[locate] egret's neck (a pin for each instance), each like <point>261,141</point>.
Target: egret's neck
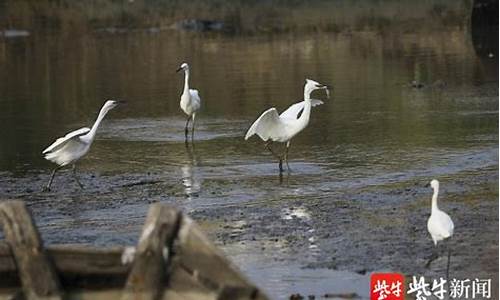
<point>304,117</point>
<point>101,116</point>
<point>186,81</point>
<point>307,95</point>
<point>435,200</point>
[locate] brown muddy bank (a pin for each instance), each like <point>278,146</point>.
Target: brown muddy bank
<point>235,16</point>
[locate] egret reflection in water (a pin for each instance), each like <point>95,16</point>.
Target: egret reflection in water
<point>190,179</point>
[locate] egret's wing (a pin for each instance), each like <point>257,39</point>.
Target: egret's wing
<point>68,137</point>
<point>293,112</point>
<point>195,99</point>
<point>194,93</point>
<point>441,225</point>
<point>268,125</point>
<point>448,224</point>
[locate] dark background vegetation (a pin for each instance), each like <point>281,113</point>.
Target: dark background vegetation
<point>238,16</point>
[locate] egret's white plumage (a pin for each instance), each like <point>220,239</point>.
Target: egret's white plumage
<point>280,128</point>
<point>58,152</point>
<point>439,225</point>
<point>190,102</point>
<point>190,99</point>
<point>74,145</point>
<point>272,127</point>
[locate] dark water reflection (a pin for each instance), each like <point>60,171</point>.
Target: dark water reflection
<point>375,129</point>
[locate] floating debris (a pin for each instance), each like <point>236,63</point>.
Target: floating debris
<point>416,84</point>
<point>14,33</point>
<point>200,25</point>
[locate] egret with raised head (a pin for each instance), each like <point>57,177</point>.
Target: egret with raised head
<point>190,100</point>
<point>271,127</point>
<point>68,149</point>
<point>439,225</point>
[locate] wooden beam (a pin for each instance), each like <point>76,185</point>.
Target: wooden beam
<point>206,264</point>
<point>78,266</point>
<point>38,277</point>
<point>147,277</point>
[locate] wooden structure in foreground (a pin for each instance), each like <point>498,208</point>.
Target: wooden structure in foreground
<point>172,260</point>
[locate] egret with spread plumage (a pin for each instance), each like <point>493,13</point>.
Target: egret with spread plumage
<point>271,127</point>
<point>68,149</point>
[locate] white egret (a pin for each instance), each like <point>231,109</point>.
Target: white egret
<point>439,225</point>
<point>271,127</point>
<point>74,145</point>
<point>190,100</point>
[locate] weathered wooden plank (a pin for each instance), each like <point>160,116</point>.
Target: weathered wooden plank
<point>78,266</point>
<point>196,255</point>
<point>38,277</point>
<point>88,260</point>
<point>182,285</point>
<point>147,277</point>
<point>237,293</point>
<point>85,267</point>
<point>8,269</point>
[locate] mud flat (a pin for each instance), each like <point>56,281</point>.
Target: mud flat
<point>288,237</point>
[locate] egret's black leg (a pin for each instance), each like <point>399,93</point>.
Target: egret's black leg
<point>47,187</point>
<point>433,257</point>
<point>268,146</point>
<point>192,129</point>
<point>286,156</point>
<point>186,128</point>
<point>76,177</point>
<point>448,265</point>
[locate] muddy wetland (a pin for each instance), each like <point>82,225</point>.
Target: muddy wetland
<point>405,107</point>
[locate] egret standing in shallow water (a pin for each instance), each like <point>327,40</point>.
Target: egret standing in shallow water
<point>190,100</point>
<point>74,145</point>
<point>439,225</point>
<point>271,127</point>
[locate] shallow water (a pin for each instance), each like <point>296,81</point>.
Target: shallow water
<point>371,147</point>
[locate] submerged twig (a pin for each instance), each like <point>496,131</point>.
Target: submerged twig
<point>143,182</point>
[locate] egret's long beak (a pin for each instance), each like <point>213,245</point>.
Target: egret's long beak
<point>177,71</point>
<point>121,102</point>
<point>428,185</point>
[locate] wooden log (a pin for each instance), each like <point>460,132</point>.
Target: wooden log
<point>196,255</point>
<point>78,266</point>
<point>148,274</point>
<point>38,277</point>
<point>182,285</point>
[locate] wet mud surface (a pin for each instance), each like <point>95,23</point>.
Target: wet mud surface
<point>292,234</point>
